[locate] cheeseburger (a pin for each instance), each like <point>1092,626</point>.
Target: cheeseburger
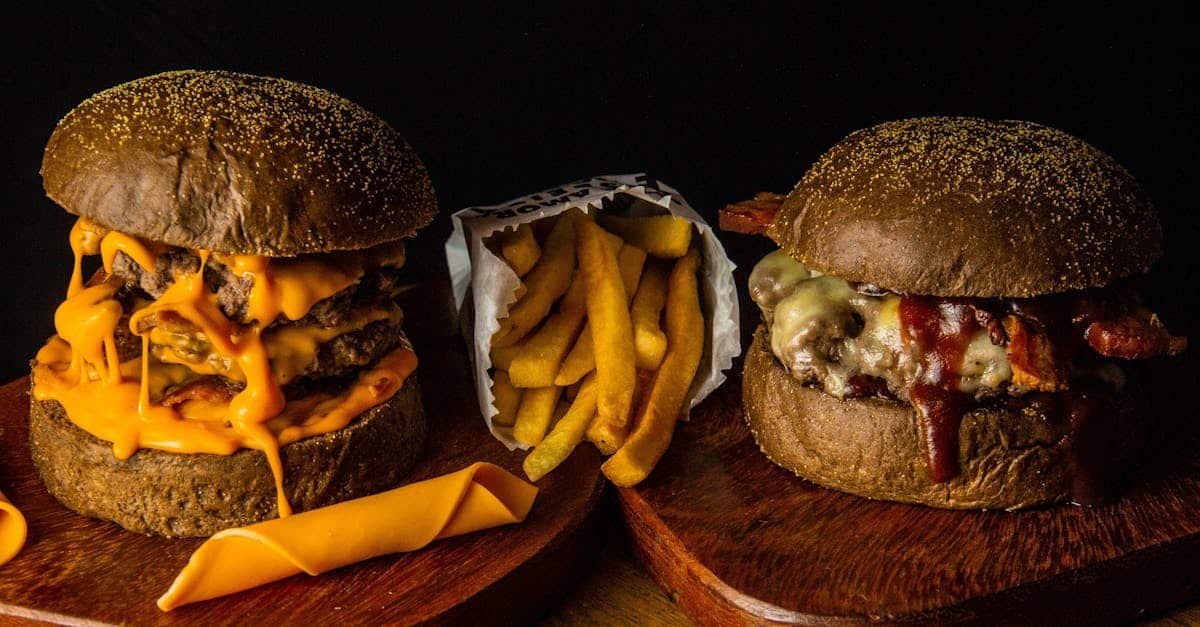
<point>237,353</point>
<point>952,316</point>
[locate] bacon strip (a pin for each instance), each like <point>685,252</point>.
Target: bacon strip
<point>751,216</point>
<point>1031,356</point>
<point>1139,335</point>
<point>212,390</point>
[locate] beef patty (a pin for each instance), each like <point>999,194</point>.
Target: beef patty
<point>233,291</point>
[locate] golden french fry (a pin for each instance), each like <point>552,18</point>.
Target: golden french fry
<point>548,280</point>
<point>641,394</point>
<point>520,249</point>
<point>685,345</point>
<point>649,342</point>
<point>502,356</point>
<point>630,261</point>
<point>661,236</point>
<point>606,436</point>
<point>507,398</point>
<point>542,228</point>
<point>537,363</point>
<point>581,360</point>
<point>534,415</point>
<point>612,331</point>
<point>566,435</point>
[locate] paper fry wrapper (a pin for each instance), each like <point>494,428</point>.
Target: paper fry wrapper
<point>487,283</point>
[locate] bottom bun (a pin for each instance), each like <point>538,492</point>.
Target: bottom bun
<point>186,495</point>
<point>1011,457</point>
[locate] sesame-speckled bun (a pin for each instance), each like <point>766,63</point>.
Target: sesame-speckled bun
<point>969,207</point>
<point>237,164</point>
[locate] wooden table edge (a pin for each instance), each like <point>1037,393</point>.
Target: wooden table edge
<point>719,603</point>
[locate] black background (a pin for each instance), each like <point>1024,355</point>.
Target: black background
<point>719,104</point>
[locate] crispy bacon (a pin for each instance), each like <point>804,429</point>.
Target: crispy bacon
<point>751,216</point>
<point>212,390</point>
<point>100,276</point>
<point>1138,335</point>
<point>165,318</point>
<point>1031,356</point>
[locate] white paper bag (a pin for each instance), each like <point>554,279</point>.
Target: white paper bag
<point>492,282</point>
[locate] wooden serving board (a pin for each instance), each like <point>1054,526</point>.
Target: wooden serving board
<point>75,569</point>
<point>737,540</point>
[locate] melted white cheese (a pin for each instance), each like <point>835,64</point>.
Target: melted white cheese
<point>825,332</point>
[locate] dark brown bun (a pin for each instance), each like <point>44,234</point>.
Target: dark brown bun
<point>237,164</point>
<point>181,495</point>
<point>1010,459</point>
<point>969,207</point>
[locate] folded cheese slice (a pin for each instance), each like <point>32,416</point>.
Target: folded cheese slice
<point>12,530</point>
<point>407,518</point>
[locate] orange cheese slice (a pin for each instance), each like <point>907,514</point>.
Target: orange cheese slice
<point>12,530</point>
<point>407,518</point>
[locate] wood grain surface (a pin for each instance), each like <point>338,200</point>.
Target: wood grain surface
<point>619,591</point>
<point>738,540</point>
<point>79,569</point>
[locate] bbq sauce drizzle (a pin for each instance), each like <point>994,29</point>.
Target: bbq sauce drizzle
<point>940,330</point>
<point>1097,422</point>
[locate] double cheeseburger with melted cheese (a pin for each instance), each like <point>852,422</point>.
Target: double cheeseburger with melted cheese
<point>952,318</point>
<point>238,353</point>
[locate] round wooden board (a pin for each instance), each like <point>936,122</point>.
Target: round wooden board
<point>76,569</point>
<point>735,539</point>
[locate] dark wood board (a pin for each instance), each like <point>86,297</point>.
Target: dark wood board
<point>75,569</point>
<point>735,539</point>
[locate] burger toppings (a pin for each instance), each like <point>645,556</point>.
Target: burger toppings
<point>1135,336</point>
<point>227,344</point>
<point>943,355</point>
<point>751,216</point>
<point>939,333</point>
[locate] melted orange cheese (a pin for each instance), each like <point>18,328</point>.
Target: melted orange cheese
<point>372,387</point>
<point>85,240</point>
<point>121,401</point>
<point>88,321</point>
<point>292,349</point>
<point>142,253</point>
<point>290,287</point>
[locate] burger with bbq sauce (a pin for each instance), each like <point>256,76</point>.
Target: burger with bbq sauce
<point>238,354</point>
<point>952,316</point>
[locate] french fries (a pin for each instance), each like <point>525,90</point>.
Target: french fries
<point>536,364</point>
<point>540,363</point>
<point>661,236</point>
<point>630,261</point>
<point>546,282</point>
<point>520,249</point>
<point>612,331</point>
<point>649,342</point>
<point>503,356</point>
<point>603,345</point>
<point>685,345</point>
<point>535,414</point>
<point>507,398</point>
<point>581,360</point>
<point>566,435</point>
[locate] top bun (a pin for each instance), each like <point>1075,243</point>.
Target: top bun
<point>237,163</point>
<point>969,207</point>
